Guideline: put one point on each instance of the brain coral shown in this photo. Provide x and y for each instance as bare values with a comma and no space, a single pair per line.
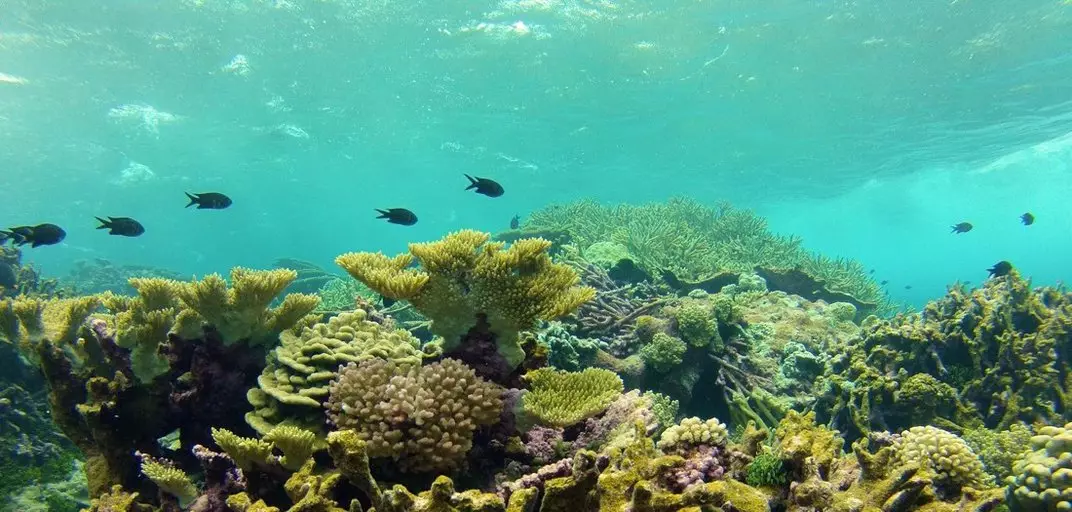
422,416
295,382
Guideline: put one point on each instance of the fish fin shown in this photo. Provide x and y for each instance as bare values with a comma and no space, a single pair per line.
473,182
104,224
193,199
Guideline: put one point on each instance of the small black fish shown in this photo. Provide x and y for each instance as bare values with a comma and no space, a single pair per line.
963,227
872,271
1000,269
398,216
515,222
1027,219
208,201
484,186
907,287
122,226
884,283
36,236
387,301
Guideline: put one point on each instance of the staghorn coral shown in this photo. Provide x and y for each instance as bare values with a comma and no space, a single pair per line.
423,417
562,399
694,242
464,277
297,378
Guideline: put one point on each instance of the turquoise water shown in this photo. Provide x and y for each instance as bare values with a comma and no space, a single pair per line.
866,128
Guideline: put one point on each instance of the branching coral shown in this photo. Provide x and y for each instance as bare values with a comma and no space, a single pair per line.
1000,345
463,277
421,416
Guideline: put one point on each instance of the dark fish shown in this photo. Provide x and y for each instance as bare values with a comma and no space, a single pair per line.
398,216
1000,269
8,279
515,222
5,236
963,227
884,283
387,301
907,287
122,226
1027,219
208,201
484,186
19,234
872,271
36,236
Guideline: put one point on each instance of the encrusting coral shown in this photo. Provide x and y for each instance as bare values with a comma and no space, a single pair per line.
464,277
297,378
421,416
561,398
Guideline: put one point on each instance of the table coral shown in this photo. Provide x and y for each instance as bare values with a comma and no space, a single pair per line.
464,276
562,398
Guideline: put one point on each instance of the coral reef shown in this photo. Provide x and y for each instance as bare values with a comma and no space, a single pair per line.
990,356
465,278
299,372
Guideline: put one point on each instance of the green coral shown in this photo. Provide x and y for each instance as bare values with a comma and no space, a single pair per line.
841,311
998,450
296,380
664,353
566,351
766,470
565,398
606,254
697,326
339,294
923,395
296,444
695,241
464,277
663,408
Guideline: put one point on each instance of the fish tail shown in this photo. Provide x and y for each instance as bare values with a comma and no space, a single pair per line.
383,213
472,182
193,199
104,224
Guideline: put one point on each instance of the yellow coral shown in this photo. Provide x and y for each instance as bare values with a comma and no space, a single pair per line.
26,322
169,479
296,444
565,398
295,383
242,312
464,276
245,451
